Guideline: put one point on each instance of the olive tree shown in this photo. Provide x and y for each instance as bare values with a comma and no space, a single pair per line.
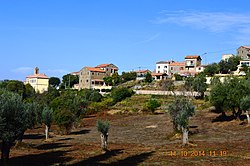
47,118
180,110
33,113
245,105
103,128
12,120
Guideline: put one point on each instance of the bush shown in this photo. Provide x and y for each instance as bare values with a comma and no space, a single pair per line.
103,126
118,94
151,105
64,119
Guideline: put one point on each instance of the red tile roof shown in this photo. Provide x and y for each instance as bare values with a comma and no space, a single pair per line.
142,71
103,65
192,57
247,47
38,76
158,74
177,64
95,69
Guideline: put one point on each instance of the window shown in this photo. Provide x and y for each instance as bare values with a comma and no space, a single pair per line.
172,68
93,73
165,66
32,81
159,67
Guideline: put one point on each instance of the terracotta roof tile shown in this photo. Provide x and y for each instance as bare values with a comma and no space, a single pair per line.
103,65
38,76
158,74
94,69
142,71
177,64
192,57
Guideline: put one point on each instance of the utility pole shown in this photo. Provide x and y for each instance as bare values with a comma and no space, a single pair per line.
69,81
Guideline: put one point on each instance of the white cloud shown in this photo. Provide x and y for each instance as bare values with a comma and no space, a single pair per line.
212,21
149,39
23,70
56,72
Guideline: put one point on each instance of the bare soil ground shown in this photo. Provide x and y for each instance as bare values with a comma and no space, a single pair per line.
140,140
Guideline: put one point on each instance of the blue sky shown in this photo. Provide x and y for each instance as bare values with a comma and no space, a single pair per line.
62,36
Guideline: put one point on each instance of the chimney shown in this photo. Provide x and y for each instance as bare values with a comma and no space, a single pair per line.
36,71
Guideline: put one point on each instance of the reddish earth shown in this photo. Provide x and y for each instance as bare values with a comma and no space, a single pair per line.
140,140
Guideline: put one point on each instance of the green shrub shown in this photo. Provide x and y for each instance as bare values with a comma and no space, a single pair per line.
118,94
151,105
64,119
103,126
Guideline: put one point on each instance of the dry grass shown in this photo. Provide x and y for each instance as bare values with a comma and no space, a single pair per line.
131,142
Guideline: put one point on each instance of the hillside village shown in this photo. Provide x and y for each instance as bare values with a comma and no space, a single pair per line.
182,113
92,77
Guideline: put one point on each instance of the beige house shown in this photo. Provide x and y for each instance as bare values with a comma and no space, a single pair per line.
192,62
244,52
39,81
92,77
141,74
225,57
176,68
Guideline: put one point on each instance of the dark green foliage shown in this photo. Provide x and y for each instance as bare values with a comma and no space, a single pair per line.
64,119
118,94
70,80
151,105
229,94
29,93
108,80
178,77
54,81
47,97
34,115
113,80
189,83
180,111
95,96
148,78
103,126
231,65
26,91
212,69
128,76
199,84
215,81
245,103
47,116
13,118
13,114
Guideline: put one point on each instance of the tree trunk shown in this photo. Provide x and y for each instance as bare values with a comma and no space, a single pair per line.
248,118
19,138
184,136
104,141
47,132
5,153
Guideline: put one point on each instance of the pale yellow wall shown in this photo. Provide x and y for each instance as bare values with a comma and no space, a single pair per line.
39,84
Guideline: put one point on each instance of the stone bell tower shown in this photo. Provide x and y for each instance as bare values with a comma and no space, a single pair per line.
36,71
